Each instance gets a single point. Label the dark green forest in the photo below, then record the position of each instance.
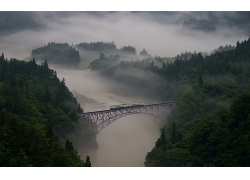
(57, 53)
(38, 121)
(212, 21)
(102, 47)
(97, 46)
(104, 62)
(199, 24)
(209, 126)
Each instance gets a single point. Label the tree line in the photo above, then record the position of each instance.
(57, 53)
(208, 127)
(38, 122)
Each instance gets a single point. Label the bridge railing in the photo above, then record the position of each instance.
(98, 120)
(108, 110)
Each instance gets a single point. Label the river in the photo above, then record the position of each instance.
(125, 142)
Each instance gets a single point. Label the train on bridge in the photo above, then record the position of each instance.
(121, 106)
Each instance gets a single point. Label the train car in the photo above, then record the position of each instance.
(121, 106)
(137, 104)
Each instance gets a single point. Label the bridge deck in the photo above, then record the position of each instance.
(98, 120)
(109, 110)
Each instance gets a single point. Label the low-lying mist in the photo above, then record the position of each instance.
(126, 141)
(154, 32)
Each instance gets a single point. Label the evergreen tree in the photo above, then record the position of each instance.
(47, 96)
(173, 134)
(49, 129)
(45, 64)
(2, 117)
(69, 146)
(200, 80)
(87, 163)
(102, 56)
(25, 139)
(163, 136)
(79, 109)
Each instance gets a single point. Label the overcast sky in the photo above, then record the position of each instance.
(154, 32)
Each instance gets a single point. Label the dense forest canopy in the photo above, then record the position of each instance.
(212, 21)
(97, 46)
(59, 53)
(201, 24)
(209, 125)
(223, 48)
(37, 116)
(128, 49)
(211, 90)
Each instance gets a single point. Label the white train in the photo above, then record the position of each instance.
(121, 106)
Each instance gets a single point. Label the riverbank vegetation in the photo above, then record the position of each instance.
(208, 127)
(38, 121)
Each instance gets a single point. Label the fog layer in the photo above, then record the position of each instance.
(154, 32)
(125, 142)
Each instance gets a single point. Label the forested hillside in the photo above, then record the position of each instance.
(212, 21)
(198, 133)
(97, 46)
(37, 117)
(209, 125)
(90, 51)
(58, 53)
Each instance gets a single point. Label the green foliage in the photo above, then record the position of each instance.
(199, 24)
(200, 80)
(144, 53)
(79, 109)
(88, 163)
(35, 116)
(58, 53)
(104, 62)
(128, 49)
(220, 140)
(173, 136)
(223, 48)
(209, 126)
(49, 129)
(97, 46)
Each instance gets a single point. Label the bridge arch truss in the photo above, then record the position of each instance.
(98, 120)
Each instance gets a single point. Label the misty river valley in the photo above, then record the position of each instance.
(124, 89)
(123, 143)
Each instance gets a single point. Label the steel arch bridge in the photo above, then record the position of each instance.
(98, 120)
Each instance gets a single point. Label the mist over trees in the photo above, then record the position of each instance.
(60, 53)
(97, 46)
(207, 126)
(203, 25)
(223, 48)
(144, 53)
(205, 88)
(107, 48)
(212, 21)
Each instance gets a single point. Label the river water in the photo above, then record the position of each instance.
(125, 142)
